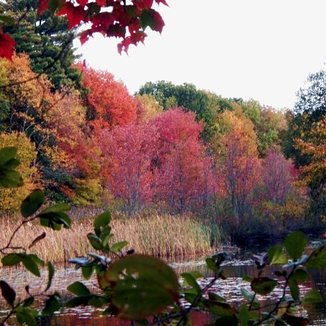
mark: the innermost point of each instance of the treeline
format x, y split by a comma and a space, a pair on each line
171, 148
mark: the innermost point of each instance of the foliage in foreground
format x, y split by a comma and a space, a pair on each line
145, 289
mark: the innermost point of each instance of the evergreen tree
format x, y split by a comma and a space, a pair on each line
46, 39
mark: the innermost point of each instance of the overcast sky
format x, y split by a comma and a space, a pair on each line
259, 49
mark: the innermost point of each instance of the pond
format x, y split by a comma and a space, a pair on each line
230, 288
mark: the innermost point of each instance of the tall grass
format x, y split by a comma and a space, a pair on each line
159, 235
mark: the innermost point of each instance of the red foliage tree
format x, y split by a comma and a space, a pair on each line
109, 103
183, 173
128, 153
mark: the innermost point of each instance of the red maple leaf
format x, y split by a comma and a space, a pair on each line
101, 3
82, 2
124, 45
102, 21
143, 4
75, 15
162, 1
42, 6
158, 22
84, 36
7, 46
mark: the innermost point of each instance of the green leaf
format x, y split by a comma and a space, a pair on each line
28, 301
52, 304
210, 263
300, 275
312, 296
51, 271
57, 208
247, 294
55, 220
87, 271
26, 316
8, 292
102, 220
94, 241
97, 301
150, 18
77, 301
215, 297
32, 203
116, 247
220, 309
6, 154
276, 255
191, 280
30, 264
10, 178
244, 315
295, 243
11, 164
141, 286
11, 260
294, 288
263, 285
317, 258
78, 288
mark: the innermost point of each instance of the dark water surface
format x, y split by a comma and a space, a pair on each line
230, 289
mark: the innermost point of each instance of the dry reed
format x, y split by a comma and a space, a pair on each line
159, 235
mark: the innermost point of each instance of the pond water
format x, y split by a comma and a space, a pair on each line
230, 289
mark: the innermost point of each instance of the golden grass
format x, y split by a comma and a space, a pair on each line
159, 235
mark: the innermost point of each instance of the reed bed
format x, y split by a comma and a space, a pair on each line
164, 236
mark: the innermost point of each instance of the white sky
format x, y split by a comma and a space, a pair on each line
260, 49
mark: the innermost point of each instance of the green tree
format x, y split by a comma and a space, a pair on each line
309, 108
45, 38
204, 104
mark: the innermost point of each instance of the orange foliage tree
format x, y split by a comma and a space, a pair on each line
239, 167
108, 102
314, 173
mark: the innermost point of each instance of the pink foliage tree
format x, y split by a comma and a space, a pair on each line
183, 172
278, 176
128, 153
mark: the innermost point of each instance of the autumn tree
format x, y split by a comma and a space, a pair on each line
11, 198
269, 124
147, 108
239, 166
108, 102
183, 172
310, 108
283, 201
278, 176
127, 168
314, 173
53, 122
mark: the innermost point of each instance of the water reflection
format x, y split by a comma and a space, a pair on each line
230, 289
